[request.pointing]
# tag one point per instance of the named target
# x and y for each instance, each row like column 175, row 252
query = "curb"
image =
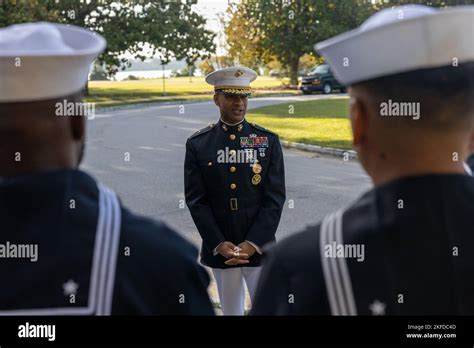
column 144, row 105
column 346, row 155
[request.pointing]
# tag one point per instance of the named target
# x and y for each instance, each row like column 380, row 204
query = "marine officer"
column 67, row 244
column 234, row 188
column 405, row 247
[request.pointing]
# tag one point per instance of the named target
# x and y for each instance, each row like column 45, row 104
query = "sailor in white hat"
column 406, row 246
column 83, row 253
column 44, row 61
column 236, row 200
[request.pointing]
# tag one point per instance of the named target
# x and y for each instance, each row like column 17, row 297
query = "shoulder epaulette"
column 203, row 130
column 256, row 126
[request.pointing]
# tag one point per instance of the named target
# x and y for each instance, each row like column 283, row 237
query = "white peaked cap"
column 45, row 60
column 233, row 81
column 401, row 39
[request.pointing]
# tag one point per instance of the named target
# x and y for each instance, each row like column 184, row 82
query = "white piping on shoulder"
column 336, row 273
column 467, row 169
column 111, row 262
column 104, row 263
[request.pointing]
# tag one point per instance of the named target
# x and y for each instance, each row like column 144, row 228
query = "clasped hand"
column 236, row 254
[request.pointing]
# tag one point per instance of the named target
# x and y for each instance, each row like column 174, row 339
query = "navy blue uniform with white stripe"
column 112, row 261
column 417, row 256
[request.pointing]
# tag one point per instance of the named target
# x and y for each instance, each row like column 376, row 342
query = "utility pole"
column 164, row 91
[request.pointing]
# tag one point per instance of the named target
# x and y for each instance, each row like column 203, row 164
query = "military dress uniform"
column 405, row 247
column 67, row 244
column 412, row 263
column 235, row 191
column 94, row 257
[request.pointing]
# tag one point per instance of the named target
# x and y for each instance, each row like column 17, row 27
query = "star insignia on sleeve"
column 377, row 308
column 70, row 287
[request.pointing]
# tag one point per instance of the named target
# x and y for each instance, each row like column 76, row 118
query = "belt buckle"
column 233, row 204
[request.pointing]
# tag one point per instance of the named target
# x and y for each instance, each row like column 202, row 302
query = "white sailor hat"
column 401, row 39
column 232, row 81
column 45, row 60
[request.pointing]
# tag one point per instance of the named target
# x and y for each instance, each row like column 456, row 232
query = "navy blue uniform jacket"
column 418, row 256
column 114, row 261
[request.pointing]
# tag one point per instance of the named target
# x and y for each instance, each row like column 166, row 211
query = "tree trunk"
column 86, row 89
column 294, row 63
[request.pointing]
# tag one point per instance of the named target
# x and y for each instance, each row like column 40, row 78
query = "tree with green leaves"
column 288, row 29
column 134, row 29
column 242, row 43
column 17, row 11
column 435, row 3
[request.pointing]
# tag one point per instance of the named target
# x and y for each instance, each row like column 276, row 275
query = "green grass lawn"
column 176, row 88
column 319, row 122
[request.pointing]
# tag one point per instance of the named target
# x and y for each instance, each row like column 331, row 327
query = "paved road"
column 150, row 181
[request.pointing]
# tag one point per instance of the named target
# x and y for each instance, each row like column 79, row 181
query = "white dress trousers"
column 231, row 288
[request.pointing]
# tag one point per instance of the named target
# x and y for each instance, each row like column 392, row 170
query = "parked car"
column 320, row 78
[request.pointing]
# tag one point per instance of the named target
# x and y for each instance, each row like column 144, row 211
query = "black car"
column 320, row 78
